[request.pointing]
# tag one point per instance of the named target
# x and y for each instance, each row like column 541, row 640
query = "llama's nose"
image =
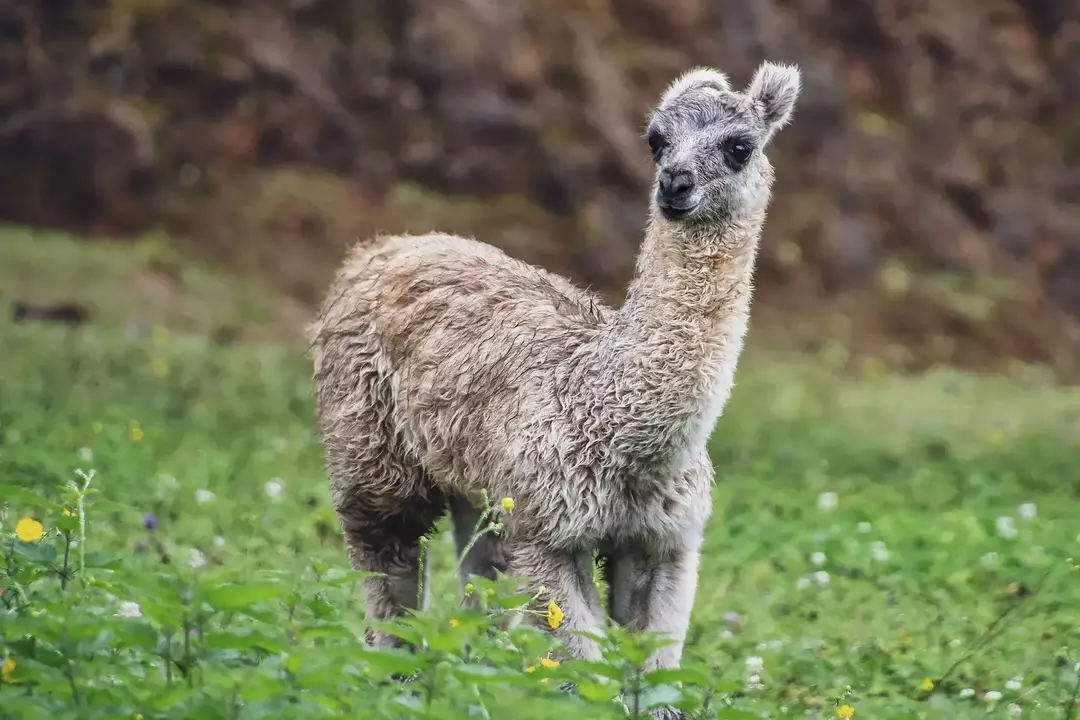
column 675, row 185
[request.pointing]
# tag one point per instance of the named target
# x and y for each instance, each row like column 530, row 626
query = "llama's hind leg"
column 654, row 591
column 567, row 578
column 382, row 535
column 391, row 548
column 486, row 556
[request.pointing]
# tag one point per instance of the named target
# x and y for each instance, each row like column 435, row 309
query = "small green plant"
column 84, row 636
column 891, row 547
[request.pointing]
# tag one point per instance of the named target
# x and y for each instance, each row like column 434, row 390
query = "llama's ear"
column 697, row 77
column 776, row 88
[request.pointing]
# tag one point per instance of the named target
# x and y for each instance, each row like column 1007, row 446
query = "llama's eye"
column 657, row 143
column 738, row 150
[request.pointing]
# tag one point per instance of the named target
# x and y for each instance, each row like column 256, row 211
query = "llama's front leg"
column 655, row 592
column 567, row 578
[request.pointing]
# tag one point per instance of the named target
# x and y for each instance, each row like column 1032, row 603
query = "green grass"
column 271, row 626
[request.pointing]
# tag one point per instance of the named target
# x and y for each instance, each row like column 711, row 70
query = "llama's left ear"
column 699, row 77
column 776, row 88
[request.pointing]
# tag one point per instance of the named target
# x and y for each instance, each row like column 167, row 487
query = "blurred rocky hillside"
column 928, row 193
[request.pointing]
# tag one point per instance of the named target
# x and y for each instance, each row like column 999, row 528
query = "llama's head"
column 708, row 142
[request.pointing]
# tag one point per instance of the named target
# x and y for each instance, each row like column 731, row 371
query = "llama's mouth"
column 673, row 212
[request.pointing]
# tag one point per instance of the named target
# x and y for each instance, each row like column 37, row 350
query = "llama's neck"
column 666, row 361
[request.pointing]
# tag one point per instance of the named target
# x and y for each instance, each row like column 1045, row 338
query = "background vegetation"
column 909, row 538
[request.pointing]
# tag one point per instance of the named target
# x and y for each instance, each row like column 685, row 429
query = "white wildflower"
column 967, row 692
column 803, row 582
column 755, row 664
column 86, row 454
column 204, row 496
column 1014, row 710
column 219, row 541
column 827, row 501
column 817, row 559
column 274, row 487
column 1014, row 684
column 753, row 682
column 1006, row 527
column 821, row 577
column 863, row 527
column 196, row 559
column 129, row 609
column 726, row 635
column 992, row 696
column 955, row 643
column 879, row 552
column 1026, row 511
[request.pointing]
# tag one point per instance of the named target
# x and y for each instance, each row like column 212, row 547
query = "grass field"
column 909, row 539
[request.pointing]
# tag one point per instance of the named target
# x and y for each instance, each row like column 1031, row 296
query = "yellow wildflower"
column 7, row 669
column 549, row 663
column 845, row 711
column 454, row 622
column 507, row 504
column 469, row 589
column 138, row 716
column 554, row 615
column 531, row 668
column 160, row 366
column 68, row 513
column 29, row 530
column 137, row 433
column 927, row 684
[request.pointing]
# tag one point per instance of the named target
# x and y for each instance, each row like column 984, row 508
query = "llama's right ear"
column 776, row 88
column 697, row 77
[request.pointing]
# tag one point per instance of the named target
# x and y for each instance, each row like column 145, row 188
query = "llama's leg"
column 486, row 557
column 654, row 592
column 568, row 581
column 382, row 535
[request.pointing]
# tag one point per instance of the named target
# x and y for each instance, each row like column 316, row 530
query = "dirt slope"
column 928, row 192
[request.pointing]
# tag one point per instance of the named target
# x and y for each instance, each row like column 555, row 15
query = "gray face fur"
column 708, row 142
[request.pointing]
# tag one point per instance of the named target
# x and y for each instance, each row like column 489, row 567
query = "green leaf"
column 596, row 668
column 514, row 601
column 238, row 596
column 15, row 496
column 598, row 692
column 36, row 552
column 676, row 675
column 391, row 660
column 735, row 714
column 101, row 560
column 487, row 674
column 244, row 641
column 660, row 695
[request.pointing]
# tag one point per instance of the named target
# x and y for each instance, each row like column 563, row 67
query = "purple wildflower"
column 150, row 521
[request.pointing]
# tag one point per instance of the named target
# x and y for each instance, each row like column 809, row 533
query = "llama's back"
column 453, row 340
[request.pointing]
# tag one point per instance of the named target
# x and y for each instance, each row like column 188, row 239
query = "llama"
column 444, row 367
